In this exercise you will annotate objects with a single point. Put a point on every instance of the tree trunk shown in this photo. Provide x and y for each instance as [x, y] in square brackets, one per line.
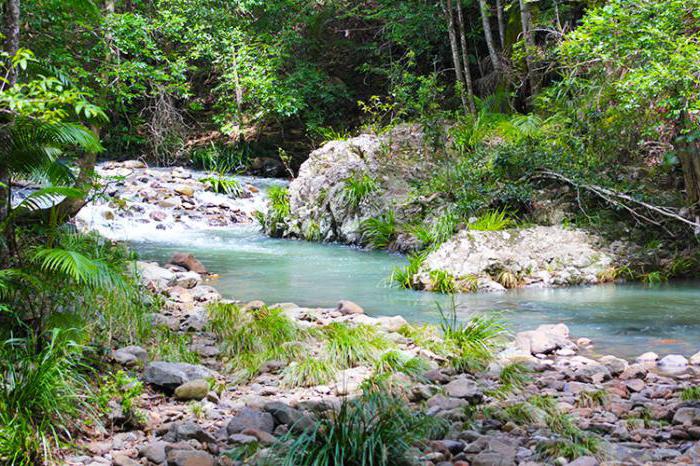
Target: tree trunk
[689, 156]
[465, 58]
[449, 14]
[11, 20]
[488, 35]
[501, 24]
[529, 44]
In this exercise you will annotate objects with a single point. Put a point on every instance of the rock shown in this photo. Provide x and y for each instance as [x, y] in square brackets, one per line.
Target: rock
[249, 418]
[185, 190]
[593, 373]
[635, 385]
[254, 305]
[188, 430]
[189, 262]
[673, 361]
[152, 274]
[170, 375]
[391, 324]
[634, 371]
[283, 413]
[188, 280]
[648, 358]
[154, 451]
[584, 461]
[615, 365]
[464, 388]
[490, 451]
[349, 380]
[545, 339]
[262, 437]
[170, 203]
[348, 308]
[695, 359]
[541, 255]
[158, 215]
[121, 459]
[190, 458]
[687, 416]
[130, 355]
[193, 390]
[133, 164]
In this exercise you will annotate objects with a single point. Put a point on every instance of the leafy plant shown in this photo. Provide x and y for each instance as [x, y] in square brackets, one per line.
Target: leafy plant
[690, 394]
[494, 220]
[394, 361]
[222, 185]
[379, 232]
[350, 346]
[172, 346]
[358, 188]
[309, 372]
[377, 429]
[404, 276]
[443, 281]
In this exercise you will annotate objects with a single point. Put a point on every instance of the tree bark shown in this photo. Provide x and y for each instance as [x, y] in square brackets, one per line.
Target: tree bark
[529, 44]
[488, 35]
[465, 58]
[501, 24]
[11, 20]
[449, 14]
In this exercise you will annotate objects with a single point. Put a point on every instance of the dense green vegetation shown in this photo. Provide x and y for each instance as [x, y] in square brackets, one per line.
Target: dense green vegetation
[601, 96]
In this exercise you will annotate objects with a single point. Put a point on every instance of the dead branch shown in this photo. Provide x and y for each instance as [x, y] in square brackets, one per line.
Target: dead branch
[640, 210]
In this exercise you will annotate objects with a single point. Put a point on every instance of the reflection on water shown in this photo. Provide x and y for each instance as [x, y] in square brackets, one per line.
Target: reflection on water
[624, 320]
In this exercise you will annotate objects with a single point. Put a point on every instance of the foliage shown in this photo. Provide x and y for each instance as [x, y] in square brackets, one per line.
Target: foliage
[124, 390]
[443, 281]
[278, 209]
[251, 338]
[42, 397]
[309, 372]
[473, 342]
[222, 185]
[379, 232]
[404, 276]
[358, 188]
[172, 346]
[350, 346]
[376, 429]
[494, 220]
[394, 361]
[690, 394]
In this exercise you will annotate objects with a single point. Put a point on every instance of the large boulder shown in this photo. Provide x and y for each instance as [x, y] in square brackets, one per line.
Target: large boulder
[249, 418]
[170, 375]
[535, 256]
[189, 262]
[545, 339]
[320, 208]
[154, 276]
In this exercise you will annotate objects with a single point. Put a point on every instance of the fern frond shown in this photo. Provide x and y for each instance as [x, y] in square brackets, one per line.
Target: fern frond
[81, 269]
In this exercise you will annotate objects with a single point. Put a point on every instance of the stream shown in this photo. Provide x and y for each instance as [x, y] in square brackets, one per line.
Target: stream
[625, 320]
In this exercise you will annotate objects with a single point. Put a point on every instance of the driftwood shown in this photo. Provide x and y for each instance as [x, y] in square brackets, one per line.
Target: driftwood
[640, 210]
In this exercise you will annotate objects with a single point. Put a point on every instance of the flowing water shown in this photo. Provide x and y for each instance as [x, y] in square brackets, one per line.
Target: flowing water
[625, 320]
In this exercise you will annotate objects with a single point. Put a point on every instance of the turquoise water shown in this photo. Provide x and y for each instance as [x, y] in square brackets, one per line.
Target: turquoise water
[625, 320]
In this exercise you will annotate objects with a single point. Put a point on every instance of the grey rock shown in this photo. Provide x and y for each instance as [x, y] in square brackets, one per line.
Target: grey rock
[188, 430]
[130, 355]
[283, 413]
[687, 416]
[188, 279]
[584, 461]
[615, 365]
[192, 390]
[170, 375]
[249, 418]
[673, 361]
[464, 388]
[348, 308]
[154, 451]
[190, 458]
[593, 373]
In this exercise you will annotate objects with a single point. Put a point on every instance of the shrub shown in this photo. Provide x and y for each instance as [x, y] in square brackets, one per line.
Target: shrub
[125, 391]
[42, 397]
[376, 429]
[379, 232]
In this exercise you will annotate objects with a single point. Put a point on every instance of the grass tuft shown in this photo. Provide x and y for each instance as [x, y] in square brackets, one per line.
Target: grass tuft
[308, 372]
[379, 232]
[494, 220]
[353, 346]
[358, 188]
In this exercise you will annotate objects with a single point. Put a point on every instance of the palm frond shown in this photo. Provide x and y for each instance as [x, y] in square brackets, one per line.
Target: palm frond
[81, 269]
[47, 197]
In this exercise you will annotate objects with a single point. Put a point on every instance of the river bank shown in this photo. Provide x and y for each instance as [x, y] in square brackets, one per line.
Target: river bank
[192, 413]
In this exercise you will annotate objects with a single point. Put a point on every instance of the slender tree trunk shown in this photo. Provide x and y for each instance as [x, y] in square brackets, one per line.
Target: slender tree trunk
[11, 20]
[449, 14]
[501, 24]
[529, 43]
[689, 156]
[488, 35]
[465, 58]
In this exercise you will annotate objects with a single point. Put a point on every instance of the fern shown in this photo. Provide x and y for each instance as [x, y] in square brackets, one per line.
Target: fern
[77, 267]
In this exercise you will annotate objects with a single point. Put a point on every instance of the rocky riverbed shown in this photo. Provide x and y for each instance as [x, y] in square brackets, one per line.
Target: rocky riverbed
[195, 412]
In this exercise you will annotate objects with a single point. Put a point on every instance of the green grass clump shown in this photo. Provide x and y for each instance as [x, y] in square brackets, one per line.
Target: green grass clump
[308, 372]
[251, 338]
[592, 399]
[427, 337]
[514, 376]
[125, 390]
[690, 394]
[171, 346]
[42, 397]
[379, 232]
[494, 220]
[473, 342]
[520, 413]
[376, 429]
[358, 188]
[278, 210]
[572, 442]
[353, 346]
[403, 276]
[394, 361]
[443, 281]
[223, 185]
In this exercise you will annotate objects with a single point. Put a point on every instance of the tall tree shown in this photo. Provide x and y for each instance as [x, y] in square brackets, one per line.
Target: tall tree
[485, 11]
[454, 46]
[529, 45]
[501, 24]
[11, 23]
[465, 58]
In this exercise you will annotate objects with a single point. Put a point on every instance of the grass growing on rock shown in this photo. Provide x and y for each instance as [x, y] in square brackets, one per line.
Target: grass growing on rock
[379, 232]
[691, 394]
[376, 429]
[172, 346]
[394, 361]
[358, 188]
[494, 220]
[403, 276]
